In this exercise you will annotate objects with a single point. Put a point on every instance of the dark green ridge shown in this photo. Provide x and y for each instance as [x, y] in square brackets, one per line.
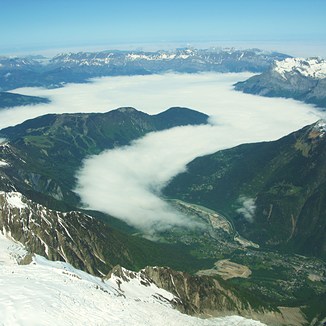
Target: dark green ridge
[46, 152]
[12, 99]
[285, 178]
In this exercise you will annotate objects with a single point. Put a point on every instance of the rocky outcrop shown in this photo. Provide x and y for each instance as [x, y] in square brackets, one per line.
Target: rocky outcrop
[198, 295]
[205, 296]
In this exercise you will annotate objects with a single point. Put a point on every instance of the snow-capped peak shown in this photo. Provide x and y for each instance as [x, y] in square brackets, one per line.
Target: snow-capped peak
[312, 67]
[320, 127]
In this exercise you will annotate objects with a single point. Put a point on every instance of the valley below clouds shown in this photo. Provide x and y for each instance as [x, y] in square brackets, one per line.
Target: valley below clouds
[126, 182]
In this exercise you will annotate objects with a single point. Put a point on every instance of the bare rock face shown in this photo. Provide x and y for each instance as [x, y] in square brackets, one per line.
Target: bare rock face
[194, 295]
[199, 295]
[73, 237]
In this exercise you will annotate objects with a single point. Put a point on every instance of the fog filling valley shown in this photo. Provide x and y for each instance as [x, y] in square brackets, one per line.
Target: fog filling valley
[126, 182]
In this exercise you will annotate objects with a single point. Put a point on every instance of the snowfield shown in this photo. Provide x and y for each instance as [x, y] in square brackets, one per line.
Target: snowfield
[313, 67]
[14, 199]
[55, 293]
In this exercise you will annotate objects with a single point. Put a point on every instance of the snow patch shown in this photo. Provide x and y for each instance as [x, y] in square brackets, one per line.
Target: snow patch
[61, 222]
[10, 251]
[46, 248]
[14, 199]
[3, 142]
[312, 67]
[321, 128]
[3, 163]
[135, 285]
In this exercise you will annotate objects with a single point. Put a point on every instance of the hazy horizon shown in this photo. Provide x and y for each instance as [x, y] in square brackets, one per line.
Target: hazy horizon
[292, 48]
[31, 27]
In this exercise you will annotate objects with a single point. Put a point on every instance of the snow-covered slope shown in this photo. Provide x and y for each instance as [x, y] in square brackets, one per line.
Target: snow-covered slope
[55, 293]
[312, 67]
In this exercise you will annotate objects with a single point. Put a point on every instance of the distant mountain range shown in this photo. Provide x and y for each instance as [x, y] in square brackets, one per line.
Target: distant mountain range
[297, 78]
[78, 67]
[180, 60]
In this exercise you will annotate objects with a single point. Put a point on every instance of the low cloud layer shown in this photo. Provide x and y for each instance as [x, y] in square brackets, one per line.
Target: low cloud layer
[248, 208]
[126, 182]
[151, 94]
[208, 92]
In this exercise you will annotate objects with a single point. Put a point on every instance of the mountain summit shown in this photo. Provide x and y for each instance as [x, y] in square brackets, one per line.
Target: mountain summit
[297, 78]
[313, 67]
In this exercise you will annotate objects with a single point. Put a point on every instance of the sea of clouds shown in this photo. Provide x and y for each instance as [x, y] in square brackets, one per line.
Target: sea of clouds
[126, 182]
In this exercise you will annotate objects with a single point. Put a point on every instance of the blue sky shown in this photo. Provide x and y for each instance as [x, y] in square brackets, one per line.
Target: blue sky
[41, 24]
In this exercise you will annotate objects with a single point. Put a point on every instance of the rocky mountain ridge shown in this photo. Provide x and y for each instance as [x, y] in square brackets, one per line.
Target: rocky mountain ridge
[78, 239]
[204, 296]
[73, 237]
[86, 242]
[311, 67]
[210, 59]
[297, 78]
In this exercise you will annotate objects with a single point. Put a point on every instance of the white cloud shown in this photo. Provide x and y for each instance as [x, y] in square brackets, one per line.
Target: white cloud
[126, 182]
[208, 92]
[248, 208]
